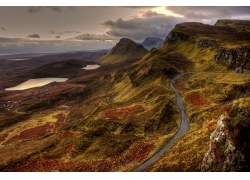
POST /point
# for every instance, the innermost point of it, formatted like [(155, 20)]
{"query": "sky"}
[(32, 29)]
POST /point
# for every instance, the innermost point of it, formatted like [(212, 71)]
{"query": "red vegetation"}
[(123, 113), (70, 148), (69, 134), (196, 99), (39, 131), (137, 153), (3, 136), (211, 124), (225, 108), (46, 165)]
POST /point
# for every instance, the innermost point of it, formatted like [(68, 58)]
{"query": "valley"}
[(180, 107)]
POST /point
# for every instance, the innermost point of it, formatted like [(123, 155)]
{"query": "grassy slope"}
[(204, 96), (97, 136), (129, 137)]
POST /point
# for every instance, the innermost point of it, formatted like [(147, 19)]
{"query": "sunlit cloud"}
[(163, 10)]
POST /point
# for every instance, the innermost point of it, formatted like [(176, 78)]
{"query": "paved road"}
[(184, 127), (184, 122)]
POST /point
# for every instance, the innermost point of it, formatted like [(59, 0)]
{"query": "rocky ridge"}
[(223, 154), (234, 58)]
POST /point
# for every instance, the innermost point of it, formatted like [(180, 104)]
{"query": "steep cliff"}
[(234, 58)]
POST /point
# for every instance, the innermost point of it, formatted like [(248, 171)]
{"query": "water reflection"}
[(19, 59), (31, 83), (89, 67)]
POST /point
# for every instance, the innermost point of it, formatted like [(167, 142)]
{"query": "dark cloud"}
[(153, 24), (5, 39), (2, 28), (33, 36), (33, 10), (58, 37), (140, 28), (64, 32), (99, 37), (150, 14), (210, 12)]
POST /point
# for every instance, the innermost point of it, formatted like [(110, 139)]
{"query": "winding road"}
[(184, 127)]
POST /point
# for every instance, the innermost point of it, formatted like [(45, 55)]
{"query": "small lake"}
[(89, 67), (31, 83), (18, 59)]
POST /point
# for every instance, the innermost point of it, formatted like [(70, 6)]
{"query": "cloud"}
[(2, 28), (58, 37), (20, 45), (64, 32), (210, 13), (99, 37), (33, 36), (155, 25), (149, 14), (33, 10)]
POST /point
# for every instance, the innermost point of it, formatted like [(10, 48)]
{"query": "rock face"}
[(152, 42), (208, 43), (124, 50), (223, 154), (172, 37), (234, 58)]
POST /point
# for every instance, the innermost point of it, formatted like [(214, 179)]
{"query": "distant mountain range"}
[(151, 42)]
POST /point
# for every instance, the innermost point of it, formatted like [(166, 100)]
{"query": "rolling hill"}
[(120, 115)]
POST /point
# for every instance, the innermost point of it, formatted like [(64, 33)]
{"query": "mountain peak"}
[(125, 49)]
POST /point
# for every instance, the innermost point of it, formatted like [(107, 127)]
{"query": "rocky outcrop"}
[(132, 79), (234, 58), (223, 154), (204, 43), (173, 36)]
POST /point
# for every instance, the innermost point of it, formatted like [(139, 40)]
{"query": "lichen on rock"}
[(222, 154)]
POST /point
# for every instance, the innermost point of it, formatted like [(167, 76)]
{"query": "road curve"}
[(184, 127)]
